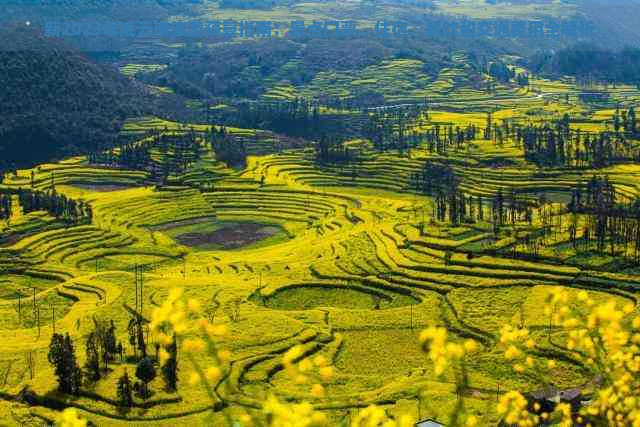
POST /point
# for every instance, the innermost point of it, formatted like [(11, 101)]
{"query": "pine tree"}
[(145, 372), (111, 346), (92, 364), (56, 358), (62, 356), (125, 397), (73, 372), (133, 335)]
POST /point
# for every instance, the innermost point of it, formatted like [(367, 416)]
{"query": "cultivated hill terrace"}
[(305, 232), (341, 249)]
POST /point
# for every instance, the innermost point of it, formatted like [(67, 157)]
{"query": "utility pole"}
[(53, 317), (141, 286), (411, 306), (136, 282)]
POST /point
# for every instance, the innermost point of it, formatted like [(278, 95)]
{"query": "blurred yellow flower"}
[(70, 418)]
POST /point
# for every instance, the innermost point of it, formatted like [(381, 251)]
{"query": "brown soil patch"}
[(230, 236)]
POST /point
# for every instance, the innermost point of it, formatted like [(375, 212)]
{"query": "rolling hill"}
[(56, 100)]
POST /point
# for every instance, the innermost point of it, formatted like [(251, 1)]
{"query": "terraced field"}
[(345, 261)]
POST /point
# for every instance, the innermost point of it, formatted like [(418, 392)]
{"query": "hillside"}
[(56, 100)]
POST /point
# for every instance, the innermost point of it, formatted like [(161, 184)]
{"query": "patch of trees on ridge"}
[(395, 129), (591, 63), (161, 153), (58, 205), (170, 153), (438, 180), (561, 146)]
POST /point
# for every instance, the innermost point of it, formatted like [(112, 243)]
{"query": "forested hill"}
[(589, 63), (56, 101)]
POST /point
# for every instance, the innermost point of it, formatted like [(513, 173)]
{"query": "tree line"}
[(162, 153), (394, 128), (560, 146), (228, 148), (58, 205), (101, 349), (330, 149), (452, 205), (610, 224)]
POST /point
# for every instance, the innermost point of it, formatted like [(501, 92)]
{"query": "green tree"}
[(111, 345), (74, 374), (62, 357), (56, 358), (145, 372), (125, 398), (92, 364)]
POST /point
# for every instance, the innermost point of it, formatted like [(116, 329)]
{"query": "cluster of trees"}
[(393, 131), (136, 336), (299, 117), (101, 348), (439, 181), (228, 148), (625, 121), (58, 205), (522, 79), (134, 156), (439, 139), (332, 150), (501, 72), (594, 220), (176, 151), (145, 370), (63, 357), (605, 221), (131, 156), (559, 145), (5, 206), (391, 128)]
